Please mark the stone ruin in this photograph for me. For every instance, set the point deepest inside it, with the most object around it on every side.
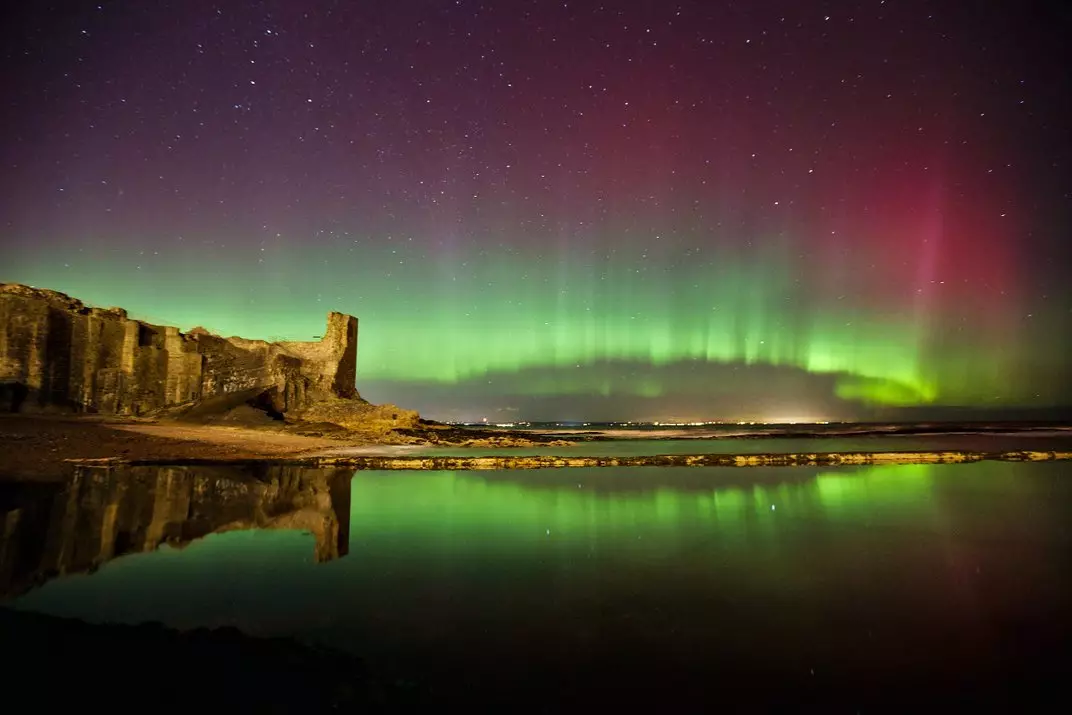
(56, 353)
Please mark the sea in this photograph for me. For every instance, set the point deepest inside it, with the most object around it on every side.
(841, 589)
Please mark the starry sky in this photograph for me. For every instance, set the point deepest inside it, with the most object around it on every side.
(764, 209)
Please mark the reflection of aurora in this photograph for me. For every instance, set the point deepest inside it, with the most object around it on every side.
(436, 520)
(579, 504)
(436, 553)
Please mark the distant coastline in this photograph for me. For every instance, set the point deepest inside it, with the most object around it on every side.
(759, 430)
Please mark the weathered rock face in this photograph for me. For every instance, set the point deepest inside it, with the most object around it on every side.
(359, 416)
(103, 513)
(57, 352)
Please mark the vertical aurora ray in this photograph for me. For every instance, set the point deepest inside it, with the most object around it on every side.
(744, 311)
(650, 202)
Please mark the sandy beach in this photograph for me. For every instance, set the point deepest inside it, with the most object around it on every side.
(37, 447)
(42, 447)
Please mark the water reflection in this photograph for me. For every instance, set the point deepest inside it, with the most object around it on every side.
(584, 581)
(102, 513)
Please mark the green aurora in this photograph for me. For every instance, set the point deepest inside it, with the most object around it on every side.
(546, 328)
(639, 213)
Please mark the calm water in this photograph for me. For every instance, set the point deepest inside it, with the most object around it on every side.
(863, 587)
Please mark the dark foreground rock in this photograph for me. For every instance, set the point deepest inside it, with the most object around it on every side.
(151, 668)
(58, 663)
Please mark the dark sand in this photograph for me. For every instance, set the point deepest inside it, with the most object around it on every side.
(36, 447)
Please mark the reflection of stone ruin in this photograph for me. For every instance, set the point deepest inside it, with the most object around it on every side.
(48, 530)
(56, 351)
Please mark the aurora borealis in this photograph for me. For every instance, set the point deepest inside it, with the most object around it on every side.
(568, 210)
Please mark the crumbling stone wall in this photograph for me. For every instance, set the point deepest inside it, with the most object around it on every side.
(56, 352)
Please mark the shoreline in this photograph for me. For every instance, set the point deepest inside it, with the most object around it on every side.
(49, 447)
(43, 447)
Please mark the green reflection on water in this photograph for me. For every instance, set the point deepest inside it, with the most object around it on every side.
(510, 542)
(576, 504)
(492, 575)
(531, 523)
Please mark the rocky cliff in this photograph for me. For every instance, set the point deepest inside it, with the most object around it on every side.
(56, 352)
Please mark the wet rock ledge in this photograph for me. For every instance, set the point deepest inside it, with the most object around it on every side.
(820, 459)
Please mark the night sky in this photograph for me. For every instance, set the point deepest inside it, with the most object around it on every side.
(568, 210)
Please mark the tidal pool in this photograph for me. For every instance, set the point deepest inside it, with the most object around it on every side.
(858, 587)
